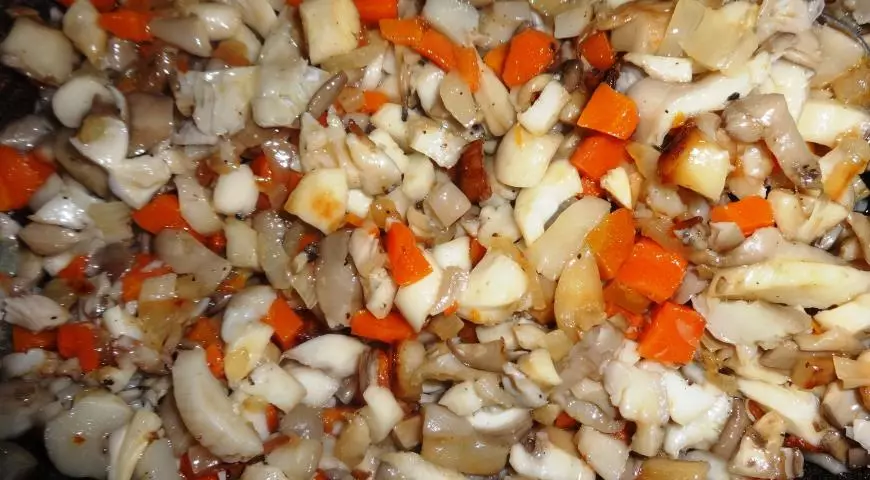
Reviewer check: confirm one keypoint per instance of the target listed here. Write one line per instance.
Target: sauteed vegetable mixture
(441, 239)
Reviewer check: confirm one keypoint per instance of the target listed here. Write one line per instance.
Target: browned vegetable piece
(469, 174)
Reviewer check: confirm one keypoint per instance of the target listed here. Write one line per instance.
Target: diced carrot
(495, 58)
(127, 24)
(371, 11)
(598, 154)
(75, 275)
(591, 187)
(407, 32)
(332, 416)
(597, 51)
(353, 220)
(652, 271)
(23, 339)
(530, 53)
(373, 100)
(204, 331)
(435, 46)
(466, 63)
(611, 241)
(272, 418)
(673, 335)
(131, 282)
(453, 308)
(293, 3)
(477, 251)
(232, 52)
(625, 298)
(214, 356)
(79, 340)
(285, 322)
(307, 239)
(393, 328)
(749, 213)
(407, 262)
(21, 175)
(216, 242)
(564, 421)
(610, 112)
(163, 211)
(293, 179)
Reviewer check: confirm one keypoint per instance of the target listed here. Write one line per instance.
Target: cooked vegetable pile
(441, 239)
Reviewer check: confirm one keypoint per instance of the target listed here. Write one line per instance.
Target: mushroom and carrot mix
(440, 239)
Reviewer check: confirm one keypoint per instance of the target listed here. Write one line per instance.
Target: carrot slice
(652, 271)
(371, 11)
(21, 175)
(204, 331)
(272, 418)
(598, 154)
(373, 100)
(127, 24)
(673, 335)
(597, 51)
(610, 112)
(407, 262)
(435, 46)
(285, 322)
(477, 251)
(495, 58)
(163, 211)
(531, 52)
(216, 242)
(466, 63)
(333, 415)
(23, 339)
(750, 214)
(611, 241)
(407, 32)
(564, 421)
(214, 356)
(392, 328)
(79, 340)
(615, 293)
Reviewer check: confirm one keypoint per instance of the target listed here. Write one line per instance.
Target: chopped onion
(565, 237)
(195, 207)
(56, 58)
(81, 25)
(184, 254)
(579, 299)
(338, 287)
(188, 33)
